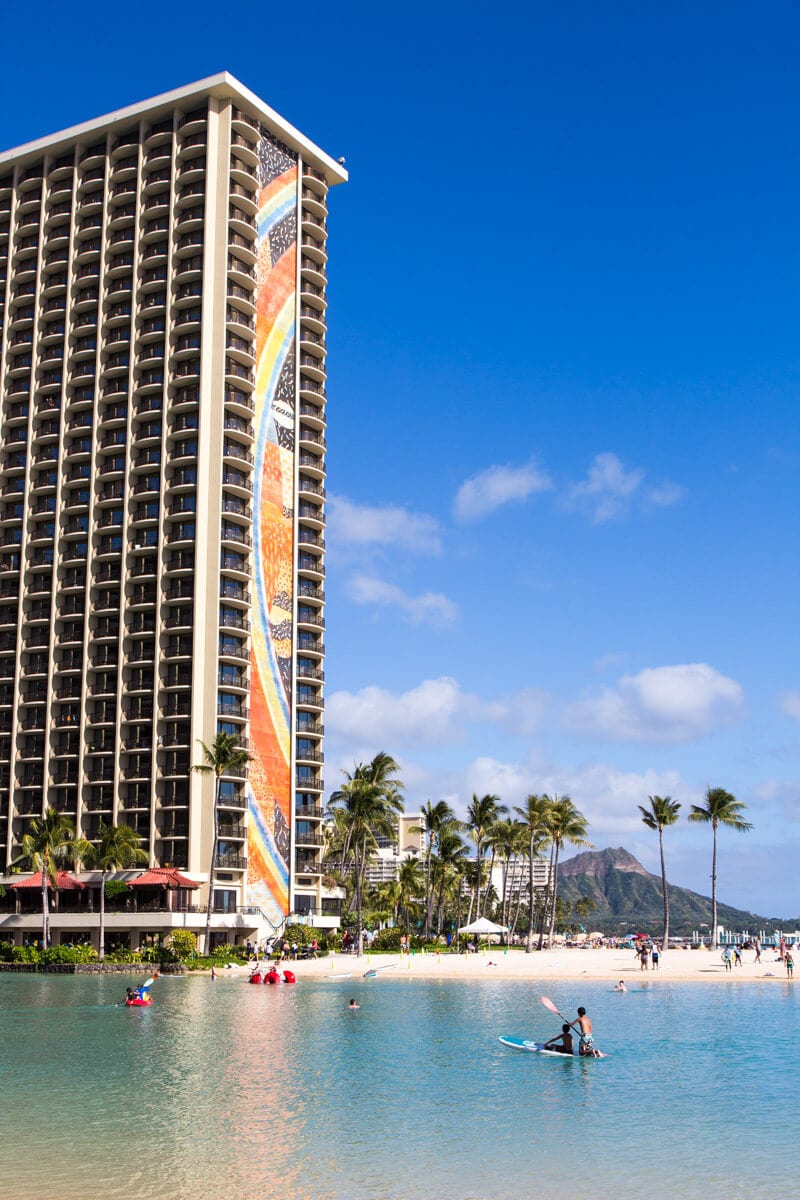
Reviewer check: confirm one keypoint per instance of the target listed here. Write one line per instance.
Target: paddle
(549, 1004)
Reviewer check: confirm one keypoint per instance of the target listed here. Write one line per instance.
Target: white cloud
(489, 490)
(433, 712)
(431, 608)
(606, 490)
(382, 525)
(665, 494)
(609, 490)
(660, 704)
(607, 796)
(790, 704)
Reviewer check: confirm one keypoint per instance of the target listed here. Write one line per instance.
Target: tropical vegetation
(50, 845)
(720, 808)
(450, 881)
(662, 812)
(117, 849)
(224, 756)
(363, 809)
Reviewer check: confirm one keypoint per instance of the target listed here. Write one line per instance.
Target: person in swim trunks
(586, 1046)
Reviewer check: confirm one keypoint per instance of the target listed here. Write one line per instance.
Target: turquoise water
(229, 1092)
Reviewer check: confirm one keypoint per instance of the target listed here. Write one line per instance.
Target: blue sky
(563, 380)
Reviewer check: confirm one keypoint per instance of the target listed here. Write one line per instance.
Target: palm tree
(663, 811)
(564, 824)
(533, 816)
(118, 849)
(436, 818)
(721, 808)
(482, 812)
(50, 844)
(222, 756)
(448, 870)
(370, 800)
(503, 837)
(410, 883)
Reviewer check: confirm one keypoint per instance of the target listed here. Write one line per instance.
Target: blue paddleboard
(517, 1043)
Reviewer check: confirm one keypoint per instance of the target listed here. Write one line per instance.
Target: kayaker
(130, 995)
(586, 1044)
(563, 1044)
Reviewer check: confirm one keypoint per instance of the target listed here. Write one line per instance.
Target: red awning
(165, 877)
(64, 882)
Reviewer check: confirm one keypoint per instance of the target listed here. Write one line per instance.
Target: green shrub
(24, 954)
(117, 893)
(182, 943)
(122, 955)
(158, 954)
(56, 955)
(387, 939)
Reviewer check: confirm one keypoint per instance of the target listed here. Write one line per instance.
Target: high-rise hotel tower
(162, 488)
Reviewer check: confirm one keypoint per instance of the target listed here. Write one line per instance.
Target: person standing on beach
(655, 957)
(757, 948)
(726, 958)
(788, 962)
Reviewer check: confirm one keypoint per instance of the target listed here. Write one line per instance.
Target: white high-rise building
(162, 503)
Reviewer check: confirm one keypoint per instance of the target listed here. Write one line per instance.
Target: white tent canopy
(482, 925)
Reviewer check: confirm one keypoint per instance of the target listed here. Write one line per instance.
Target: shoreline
(597, 965)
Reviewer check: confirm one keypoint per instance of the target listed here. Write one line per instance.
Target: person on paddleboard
(586, 1044)
(563, 1044)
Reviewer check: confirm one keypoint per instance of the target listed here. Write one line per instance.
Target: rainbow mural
(270, 783)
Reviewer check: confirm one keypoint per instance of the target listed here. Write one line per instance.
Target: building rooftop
(223, 86)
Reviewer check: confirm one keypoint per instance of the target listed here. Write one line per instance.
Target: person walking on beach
(737, 956)
(586, 1044)
(788, 962)
(655, 957)
(757, 948)
(726, 958)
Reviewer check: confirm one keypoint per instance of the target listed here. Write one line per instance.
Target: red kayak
(138, 1002)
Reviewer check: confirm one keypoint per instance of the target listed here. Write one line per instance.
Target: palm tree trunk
(665, 939)
(555, 896)
(529, 943)
(361, 873)
(476, 891)
(207, 941)
(488, 884)
(428, 893)
(45, 911)
(550, 886)
(714, 890)
(101, 941)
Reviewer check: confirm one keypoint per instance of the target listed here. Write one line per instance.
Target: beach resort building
(162, 507)
(408, 842)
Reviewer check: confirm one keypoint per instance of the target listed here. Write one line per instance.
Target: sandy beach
(677, 966)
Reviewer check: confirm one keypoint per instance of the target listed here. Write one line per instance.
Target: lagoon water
(229, 1092)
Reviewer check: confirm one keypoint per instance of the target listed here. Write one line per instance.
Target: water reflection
(231, 1091)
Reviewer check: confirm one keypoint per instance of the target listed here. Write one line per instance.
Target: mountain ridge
(627, 894)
